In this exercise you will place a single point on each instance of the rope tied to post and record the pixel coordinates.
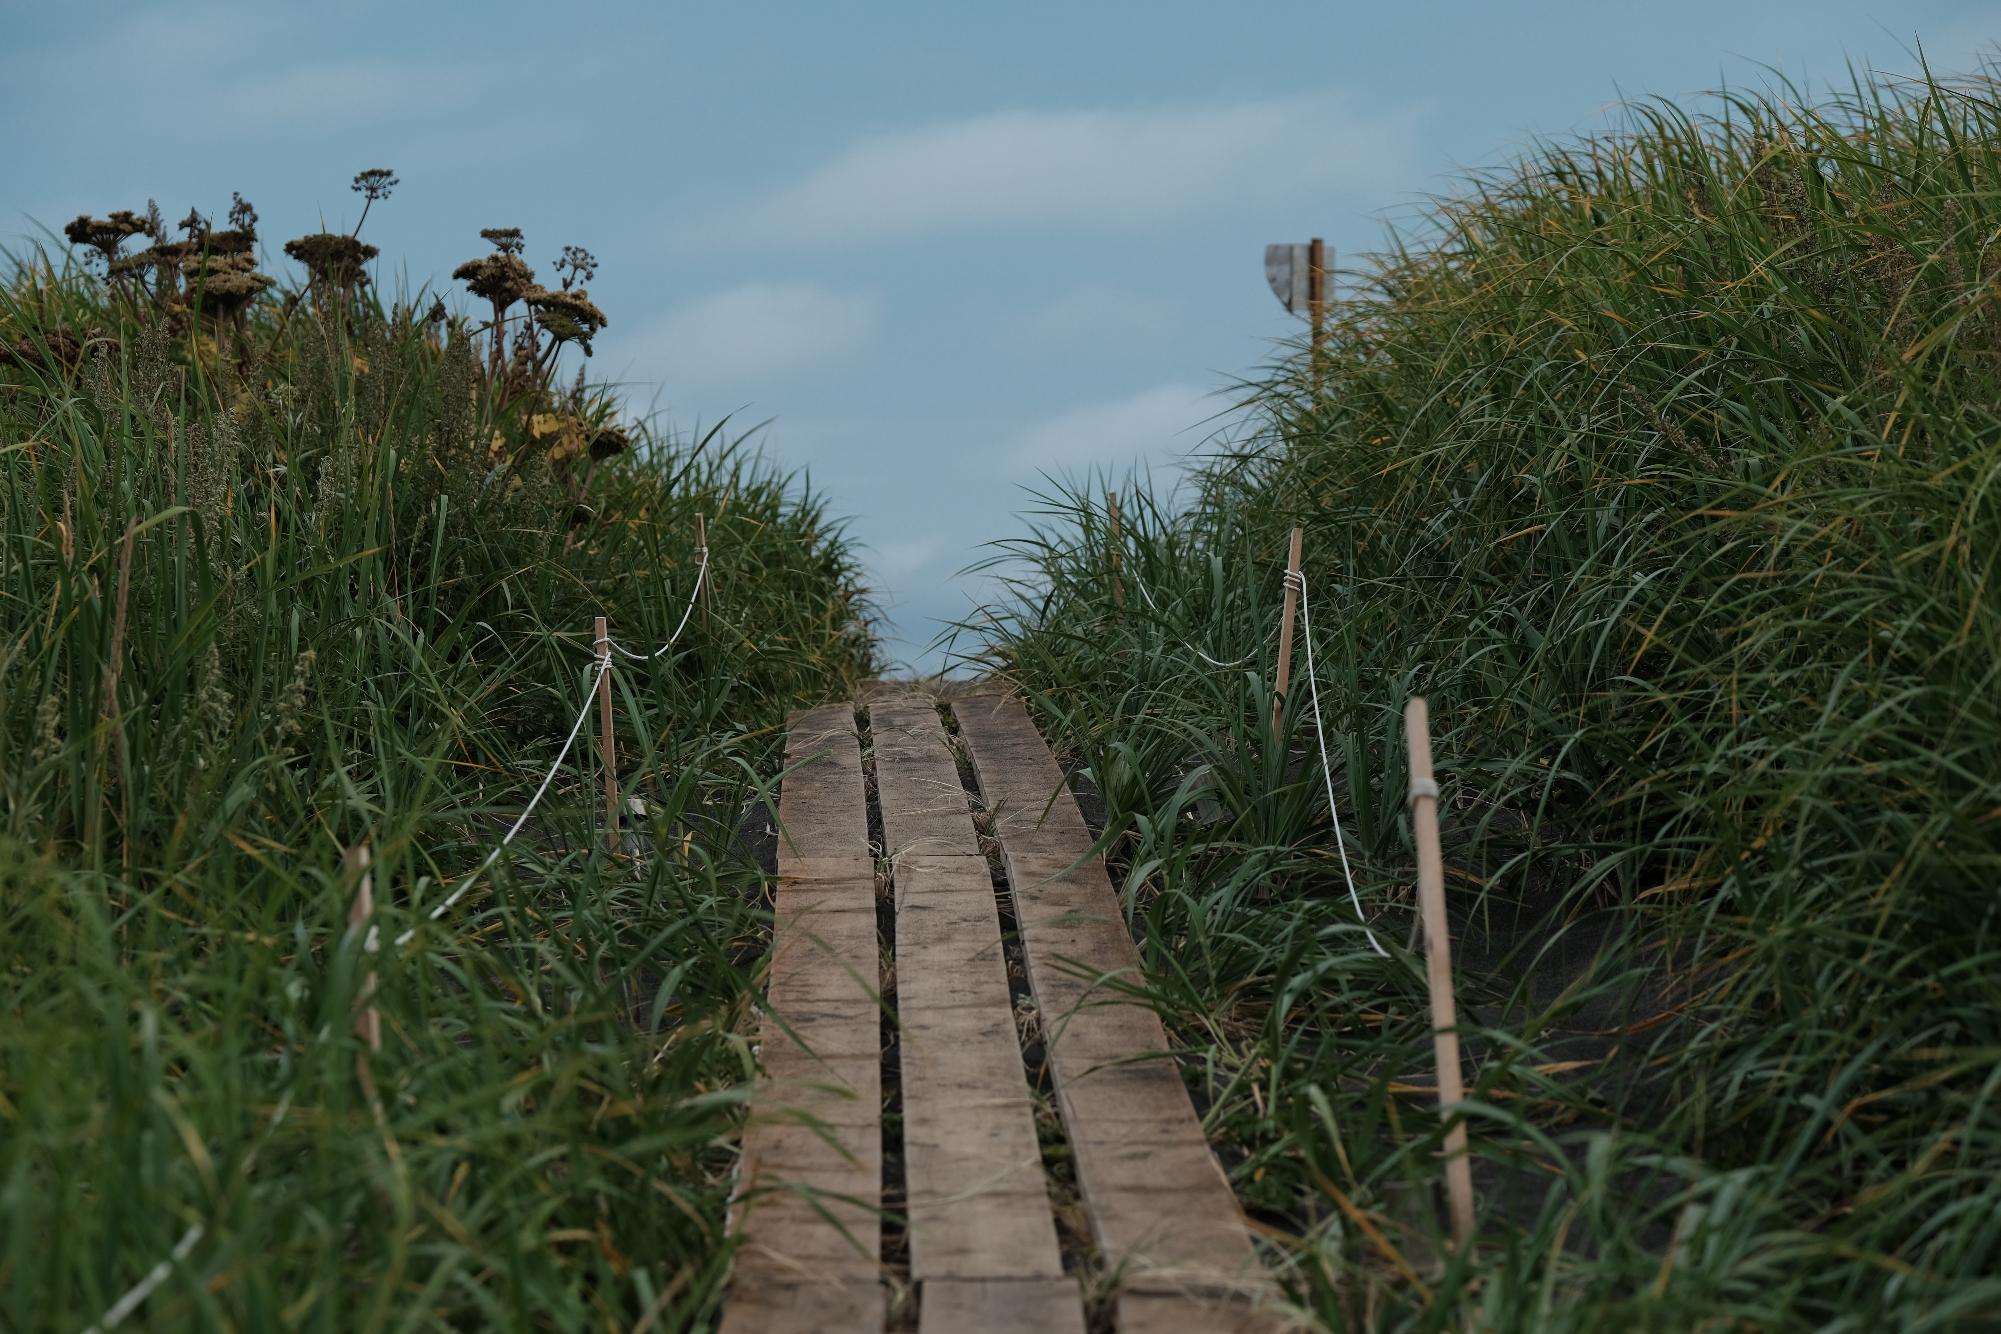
(1296, 581)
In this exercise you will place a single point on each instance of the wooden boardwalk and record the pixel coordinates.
(1170, 1243)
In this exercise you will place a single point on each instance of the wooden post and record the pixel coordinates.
(704, 565)
(1438, 964)
(1112, 547)
(605, 744)
(367, 1023)
(1285, 637)
(1316, 301)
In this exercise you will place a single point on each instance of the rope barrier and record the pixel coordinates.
(1140, 584)
(604, 665)
(1298, 584)
(143, 1289)
(137, 1294)
(701, 572)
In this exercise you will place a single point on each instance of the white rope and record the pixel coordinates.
(1297, 581)
(136, 1295)
(701, 572)
(143, 1289)
(604, 665)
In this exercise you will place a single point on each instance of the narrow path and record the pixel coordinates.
(1171, 1250)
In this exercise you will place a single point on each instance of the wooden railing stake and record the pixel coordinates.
(704, 564)
(605, 743)
(1285, 635)
(367, 1023)
(1438, 965)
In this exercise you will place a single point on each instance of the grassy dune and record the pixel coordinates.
(284, 572)
(1668, 466)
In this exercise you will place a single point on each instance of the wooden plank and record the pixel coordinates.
(807, 1211)
(924, 806)
(978, 1202)
(822, 806)
(1026, 795)
(1000, 1306)
(1161, 1209)
(804, 1308)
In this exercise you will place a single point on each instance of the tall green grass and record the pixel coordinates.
(321, 587)
(1668, 466)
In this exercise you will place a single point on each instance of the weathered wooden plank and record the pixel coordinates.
(1161, 1210)
(822, 806)
(1000, 1306)
(808, 1203)
(924, 806)
(978, 1202)
(804, 1308)
(1184, 1311)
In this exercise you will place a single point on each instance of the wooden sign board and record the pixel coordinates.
(1288, 268)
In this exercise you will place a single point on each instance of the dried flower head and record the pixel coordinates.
(577, 265)
(609, 441)
(194, 224)
(242, 216)
(567, 316)
(228, 282)
(330, 257)
(502, 278)
(233, 241)
(375, 183)
(104, 235)
(507, 240)
(60, 344)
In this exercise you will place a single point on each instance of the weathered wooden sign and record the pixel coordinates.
(1289, 270)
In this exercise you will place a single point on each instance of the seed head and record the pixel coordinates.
(375, 183)
(507, 240)
(502, 277)
(609, 441)
(567, 316)
(48, 727)
(331, 257)
(292, 704)
(105, 235)
(577, 265)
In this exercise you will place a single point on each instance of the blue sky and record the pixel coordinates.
(944, 247)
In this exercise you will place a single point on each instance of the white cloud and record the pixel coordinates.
(754, 334)
(1162, 423)
(1089, 168)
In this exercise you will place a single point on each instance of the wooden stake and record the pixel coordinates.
(1112, 548)
(367, 1023)
(702, 555)
(1285, 636)
(605, 744)
(1438, 965)
(1316, 300)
